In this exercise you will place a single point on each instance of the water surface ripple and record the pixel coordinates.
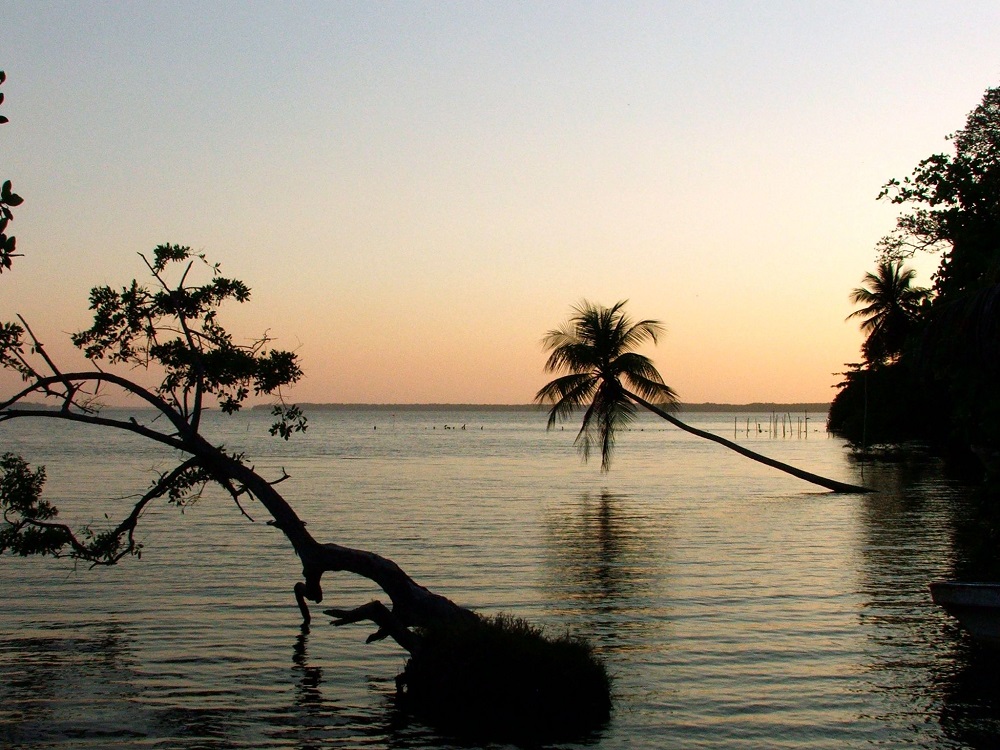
(736, 607)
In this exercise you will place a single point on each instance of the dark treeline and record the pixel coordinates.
(931, 357)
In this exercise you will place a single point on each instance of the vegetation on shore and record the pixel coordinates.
(931, 357)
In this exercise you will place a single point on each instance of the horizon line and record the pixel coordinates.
(704, 406)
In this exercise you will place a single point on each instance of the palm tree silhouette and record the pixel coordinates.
(596, 347)
(891, 305)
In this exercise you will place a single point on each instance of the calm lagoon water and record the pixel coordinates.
(737, 607)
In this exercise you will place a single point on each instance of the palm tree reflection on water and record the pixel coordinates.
(599, 553)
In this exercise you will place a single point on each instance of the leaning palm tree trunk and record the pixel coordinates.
(830, 484)
(597, 348)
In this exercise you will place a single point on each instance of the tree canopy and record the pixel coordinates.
(169, 328)
(956, 205)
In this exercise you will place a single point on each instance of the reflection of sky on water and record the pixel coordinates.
(63, 681)
(80, 686)
(735, 609)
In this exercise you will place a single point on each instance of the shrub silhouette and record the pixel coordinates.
(501, 678)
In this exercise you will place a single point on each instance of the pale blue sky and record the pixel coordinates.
(418, 191)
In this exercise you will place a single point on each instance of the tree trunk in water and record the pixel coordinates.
(485, 678)
(412, 604)
(830, 484)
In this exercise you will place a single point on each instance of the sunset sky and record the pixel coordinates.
(417, 192)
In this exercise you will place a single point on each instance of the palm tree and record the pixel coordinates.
(891, 306)
(596, 348)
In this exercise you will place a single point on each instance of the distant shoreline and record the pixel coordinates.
(760, 407)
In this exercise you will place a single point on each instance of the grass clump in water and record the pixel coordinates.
(500, 678)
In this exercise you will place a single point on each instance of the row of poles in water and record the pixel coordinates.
(779, 425)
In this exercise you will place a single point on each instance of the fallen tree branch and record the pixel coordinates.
(388, 624)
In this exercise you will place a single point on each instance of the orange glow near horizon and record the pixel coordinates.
(416, 194)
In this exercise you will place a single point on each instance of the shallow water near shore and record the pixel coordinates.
(736, 607)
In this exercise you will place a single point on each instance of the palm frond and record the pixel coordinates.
(574, 356)
(641, 332)
(640, 372)
(609, 413)
(568, 394)
(890, 306)
(559, 337)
